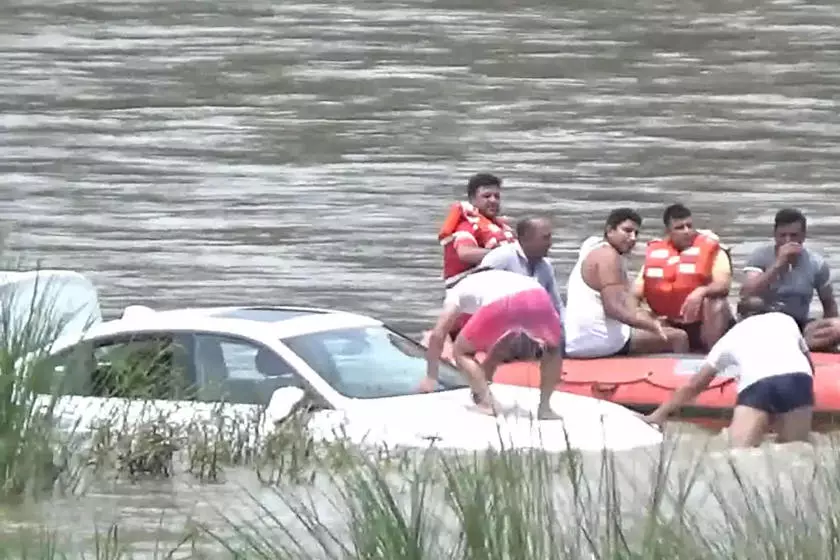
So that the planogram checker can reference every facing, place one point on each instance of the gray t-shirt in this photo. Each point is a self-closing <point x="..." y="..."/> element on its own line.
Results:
<point x="793" y="288"/>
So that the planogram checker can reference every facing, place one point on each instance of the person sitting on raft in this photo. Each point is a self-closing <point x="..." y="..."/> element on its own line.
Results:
<point x="787" y="273"/>
<point x="501" y="305"/>
<point x="686" y="278"/>
<point x="602" y="318"/>
<point x="774" y="372"/>
<point x="471" y="230"/>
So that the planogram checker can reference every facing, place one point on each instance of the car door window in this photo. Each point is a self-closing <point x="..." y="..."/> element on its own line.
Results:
<point x="66" y="372"/>
<point x="149" y="366"/>
<point x="238" y="370"/>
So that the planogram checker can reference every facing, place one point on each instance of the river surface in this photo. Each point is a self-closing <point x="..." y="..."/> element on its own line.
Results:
<point x="208" y="152"/>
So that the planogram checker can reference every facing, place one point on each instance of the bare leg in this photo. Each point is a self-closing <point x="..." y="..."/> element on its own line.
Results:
<point x="497" y="355"/>
<point x="645" y="342"/>
<point x="464" y="354"/>
<point x="822" y="334"/>
<point x="551" y="365"/>
<point x="748" y="427"/>
<point x="795" y="425"/>
<point x="717" y="316"/>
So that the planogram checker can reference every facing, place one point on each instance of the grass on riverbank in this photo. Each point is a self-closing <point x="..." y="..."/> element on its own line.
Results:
<point x="524" y="505"/>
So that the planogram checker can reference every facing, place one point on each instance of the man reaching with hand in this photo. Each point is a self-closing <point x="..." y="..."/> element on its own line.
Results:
<point x="785" y="273"/>
<point x="602" y="317"/>
<point x="774" y="372"/>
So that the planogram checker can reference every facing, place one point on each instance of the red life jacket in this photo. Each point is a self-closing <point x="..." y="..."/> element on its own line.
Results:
<point x="670" y="275"/>
<point x="488" y="234"/>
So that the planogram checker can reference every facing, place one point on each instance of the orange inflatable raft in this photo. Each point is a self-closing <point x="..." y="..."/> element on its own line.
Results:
<point x="642" y="383"/>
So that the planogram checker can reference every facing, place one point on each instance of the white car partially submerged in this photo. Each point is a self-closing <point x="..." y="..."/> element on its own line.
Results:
<point x="357" y="375"/>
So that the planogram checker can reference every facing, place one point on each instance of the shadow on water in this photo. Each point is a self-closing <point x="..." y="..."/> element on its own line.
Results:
<point x="212" y="152"/>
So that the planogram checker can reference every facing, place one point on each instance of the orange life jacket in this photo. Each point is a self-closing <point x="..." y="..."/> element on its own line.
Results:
<point x="671" y="275"/>
<point x="488" y="234"/>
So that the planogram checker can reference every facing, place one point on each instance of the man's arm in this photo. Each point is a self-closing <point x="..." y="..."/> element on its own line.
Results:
<point x="466" y="245"/>
<point x="685" y="394"/>
<point x="758" y="274"/>
<point x="618" y="303"/>
<point x="551" y="288"/>
<point x="721" y="276"/>
<point x="638" y="292"/>
<point x="437" y="339"/>
<point x="825" y="291"/>
<point x="498" y="258"/>
<point x="803" y="346"/>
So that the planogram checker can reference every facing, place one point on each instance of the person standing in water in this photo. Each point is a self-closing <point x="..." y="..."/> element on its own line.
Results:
<point x="502" y="304"/>
<point x="774" y="370"/>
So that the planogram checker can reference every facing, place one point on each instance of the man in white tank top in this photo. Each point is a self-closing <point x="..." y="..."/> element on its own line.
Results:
<point x="502" y="305"/>
<point x="774" y="370"/>
<point x="602" y="318"/>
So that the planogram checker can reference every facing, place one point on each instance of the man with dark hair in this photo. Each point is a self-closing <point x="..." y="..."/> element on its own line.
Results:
<point x="473" y="228"/>
<point x="601" y="317"/>
<point x="773" y="367"/>
<point x="786" y="273"/>
<point x="686" y="279"/>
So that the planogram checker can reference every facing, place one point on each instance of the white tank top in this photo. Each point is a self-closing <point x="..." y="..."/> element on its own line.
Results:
<point x="589" y="332"/>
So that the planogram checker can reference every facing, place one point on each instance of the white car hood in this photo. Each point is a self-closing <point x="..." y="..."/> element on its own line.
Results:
<point x="446" y="420"/>
<point x="449" y="420"/>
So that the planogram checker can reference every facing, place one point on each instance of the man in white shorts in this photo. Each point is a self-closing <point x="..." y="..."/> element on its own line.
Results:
<point x="774" y="372"/>
<point x="502" y="305"/>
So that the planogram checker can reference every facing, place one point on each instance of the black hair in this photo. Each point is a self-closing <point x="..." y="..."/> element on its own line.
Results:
<point x="787" y="216"/>
<point x="675" y="212"/>
<point x="482" y="180"/>
<point x="620" y="215"/>
<point x="755" y="305"/>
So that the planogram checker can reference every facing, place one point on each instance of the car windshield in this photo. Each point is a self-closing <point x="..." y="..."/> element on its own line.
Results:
<point x="369" y="362"/>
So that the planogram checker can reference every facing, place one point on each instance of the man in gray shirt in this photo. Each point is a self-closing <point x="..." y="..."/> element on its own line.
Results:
<point x="787" y="274"/>
<point x="527" y="256"/>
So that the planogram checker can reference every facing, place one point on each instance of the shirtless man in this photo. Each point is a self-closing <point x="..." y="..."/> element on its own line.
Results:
<point x="501" y="304"/>
<point x="602" y="318"/>
<point x="775" y="377"/>
<point x="787" y="273"/>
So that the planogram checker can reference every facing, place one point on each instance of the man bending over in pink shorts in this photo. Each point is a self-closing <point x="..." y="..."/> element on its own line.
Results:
<point x="503" y="304"/>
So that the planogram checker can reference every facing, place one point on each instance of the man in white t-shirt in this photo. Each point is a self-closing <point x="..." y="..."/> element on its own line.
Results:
<point x="502" y="305"/>
<point x="774" y="371"/>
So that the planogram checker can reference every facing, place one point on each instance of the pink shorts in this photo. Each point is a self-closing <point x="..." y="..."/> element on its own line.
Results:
<point x="530" y="312"/>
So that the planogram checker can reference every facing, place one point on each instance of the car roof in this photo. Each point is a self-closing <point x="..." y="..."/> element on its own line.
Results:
<point x="250" y="321"/>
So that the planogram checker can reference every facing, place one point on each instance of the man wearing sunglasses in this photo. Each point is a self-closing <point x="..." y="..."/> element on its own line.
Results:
<point x="686" y="279"/>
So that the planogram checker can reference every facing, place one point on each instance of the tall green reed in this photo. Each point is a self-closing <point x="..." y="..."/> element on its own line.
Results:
<point x="30" y="322"/>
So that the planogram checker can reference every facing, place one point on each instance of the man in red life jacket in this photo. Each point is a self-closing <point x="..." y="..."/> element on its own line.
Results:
<point x="471" y="230"/>
<point x="686" y="279"/>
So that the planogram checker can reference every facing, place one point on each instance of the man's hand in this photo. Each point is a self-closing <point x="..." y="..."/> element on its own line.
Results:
<point x="788" y="253"/>
<point x="653" y="419"/>
<point x="692" y="307"/>
<point x="655" y="325"/>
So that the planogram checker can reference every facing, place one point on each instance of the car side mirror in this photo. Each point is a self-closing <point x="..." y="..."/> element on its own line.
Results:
<point x="283" y="402"/>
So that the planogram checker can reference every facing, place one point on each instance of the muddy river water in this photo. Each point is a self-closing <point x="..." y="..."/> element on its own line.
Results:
<point x="215" y="151"/>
